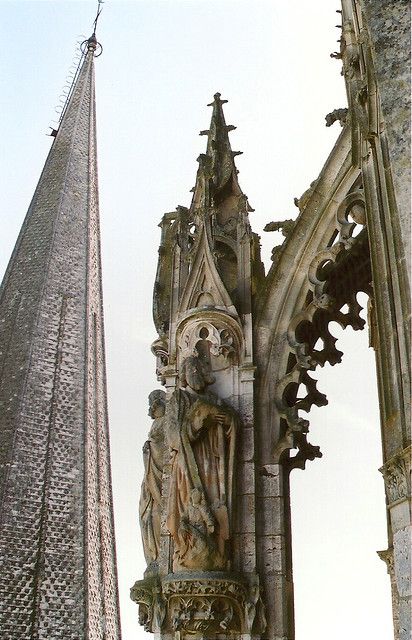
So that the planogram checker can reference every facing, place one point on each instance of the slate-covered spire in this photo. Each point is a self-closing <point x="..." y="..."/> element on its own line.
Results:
<point x="217" y="174"/>
<point x="58" y="577"/>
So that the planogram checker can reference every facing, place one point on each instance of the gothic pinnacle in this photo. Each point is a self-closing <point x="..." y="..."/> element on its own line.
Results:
<point x="217" y="168"/>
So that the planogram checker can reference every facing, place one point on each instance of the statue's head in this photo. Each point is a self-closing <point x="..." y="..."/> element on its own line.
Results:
<point x="195" y="373"/>
<point x="157" y="403"/>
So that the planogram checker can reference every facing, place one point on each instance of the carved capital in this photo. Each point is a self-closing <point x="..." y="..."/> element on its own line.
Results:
<point x="148" y="595"/>
<point x="396" y="473"/>
<point x="211" y="604"/>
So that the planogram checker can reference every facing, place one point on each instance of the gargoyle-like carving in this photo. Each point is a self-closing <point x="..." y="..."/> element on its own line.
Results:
<point x="150" y="496"/>
<point x="201" y="433"/>
<point x="337" y="115"/>
<point x="160" y="351"/>
<point x="152" y="606"/>
<point x="301" y="202"/>
<point x="285" y="227"/>
<point x="387" y="557"/>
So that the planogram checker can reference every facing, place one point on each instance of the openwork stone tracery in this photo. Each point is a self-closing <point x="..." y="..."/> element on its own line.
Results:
<point x="336" y="274"/>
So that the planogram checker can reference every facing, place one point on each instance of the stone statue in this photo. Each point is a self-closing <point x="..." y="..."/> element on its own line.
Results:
<point x="151" y="491"/>
<point x="201" y="432"/>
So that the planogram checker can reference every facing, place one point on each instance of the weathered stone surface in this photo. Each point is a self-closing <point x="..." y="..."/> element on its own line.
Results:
<point x="351" y="235"/>
<point x="389" y="27"/>
<point x="402" y="561"/>
<point x="400" y="515"/>
<point x="58" y="576"/>
<point x="272" y="551"/>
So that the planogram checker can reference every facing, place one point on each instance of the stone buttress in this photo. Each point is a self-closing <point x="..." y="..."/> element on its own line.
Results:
<point x="201" y="579"/>
<point x="58" y="576"/>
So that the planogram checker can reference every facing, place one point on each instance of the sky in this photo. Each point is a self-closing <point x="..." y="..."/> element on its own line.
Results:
<point x="162" y="62"/>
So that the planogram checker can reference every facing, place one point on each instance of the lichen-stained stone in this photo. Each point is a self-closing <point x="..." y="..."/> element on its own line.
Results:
<point x="402" y="561"/>
<point x="272" y="550"/>
<point x="58" y="575"/>
<point x="389" y="26"/>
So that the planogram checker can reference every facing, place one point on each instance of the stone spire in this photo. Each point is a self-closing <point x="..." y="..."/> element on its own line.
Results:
<point x="58" y="577"/>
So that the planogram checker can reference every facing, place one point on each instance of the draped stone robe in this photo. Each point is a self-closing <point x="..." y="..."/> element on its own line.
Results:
<point x="201" y="433"/>
<point x="150" y="495"/>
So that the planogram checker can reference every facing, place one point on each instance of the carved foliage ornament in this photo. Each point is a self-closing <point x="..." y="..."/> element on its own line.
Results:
<point x="396" y="473"/>
<point x="152" y="606"/>
<point x="201" y="604"/>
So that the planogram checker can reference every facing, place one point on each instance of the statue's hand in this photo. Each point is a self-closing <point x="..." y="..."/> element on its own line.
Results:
<point x="146" y="447"/>
<point x="221" y="419"/>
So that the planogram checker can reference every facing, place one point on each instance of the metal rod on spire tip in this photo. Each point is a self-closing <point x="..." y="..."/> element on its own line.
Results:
<point x="99" y="10"/>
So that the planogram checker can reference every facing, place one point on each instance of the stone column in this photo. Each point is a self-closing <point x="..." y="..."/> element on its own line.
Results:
<point x="396" y="472"/>
<point x="274" y="550"/>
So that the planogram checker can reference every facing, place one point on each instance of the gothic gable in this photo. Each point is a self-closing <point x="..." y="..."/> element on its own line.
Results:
<point x="204" y="286"/>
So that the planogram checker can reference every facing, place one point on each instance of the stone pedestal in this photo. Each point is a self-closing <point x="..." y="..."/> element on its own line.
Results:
<point x="201" y="605"/>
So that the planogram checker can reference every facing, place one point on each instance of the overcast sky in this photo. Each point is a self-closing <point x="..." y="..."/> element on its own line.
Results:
<point x="162" y="62"/>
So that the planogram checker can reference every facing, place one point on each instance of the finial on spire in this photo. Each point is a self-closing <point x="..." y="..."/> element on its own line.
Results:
<point x="99" y="10"/>
<point x="217" y="173"/>
<point x="91" y="43"/>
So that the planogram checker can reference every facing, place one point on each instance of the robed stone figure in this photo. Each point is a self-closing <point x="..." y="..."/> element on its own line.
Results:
<point x="151" y="491"/>
<point x="201" y="434"/>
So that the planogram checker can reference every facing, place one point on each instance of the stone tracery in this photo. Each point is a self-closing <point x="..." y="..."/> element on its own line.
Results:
<point x="336" y="274"/>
